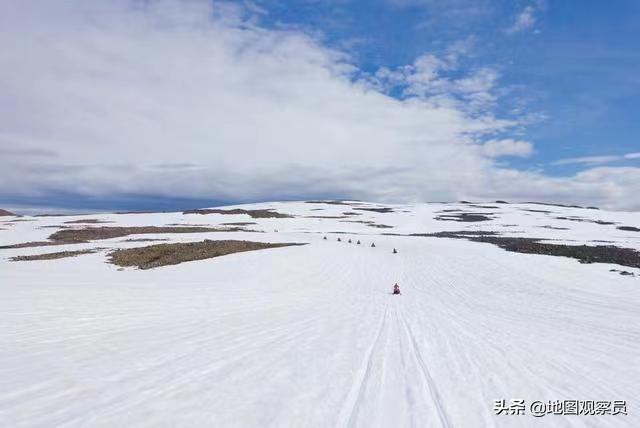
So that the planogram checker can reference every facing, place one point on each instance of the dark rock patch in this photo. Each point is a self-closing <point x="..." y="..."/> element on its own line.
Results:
<point x="32" y="244"/>
<point x="377" y="210"/>
<point x="51" y="256"/>
<point x="628" y="228"/>
<point x="369" y="223"/>
<point x="87" y="221"/>
<point x="553" y="205"/>
<point x="106" y="232"/>
<point x="5" y="213"/>
<point x="465" y="217"/>
<point x="172" y="254"/>
<point x="145" y="239"/>
<point x="553" y="227"/>
<point x="623" y="272"/>
<point x="329" y="202"/>
<point x="535" y="211"/>
<point x="457" y="234"/>
<point x="483" y="206"/>
<point x="586" y="220"/>
<point x="450" y="211"/>
<point x="583" y="253"/>
<point x="268" y="213"/>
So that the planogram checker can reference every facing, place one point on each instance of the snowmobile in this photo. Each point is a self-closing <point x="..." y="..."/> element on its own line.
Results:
<point x="373" y="245"/>
<point x="396" y="289"/>
<point x="395" y="251"/>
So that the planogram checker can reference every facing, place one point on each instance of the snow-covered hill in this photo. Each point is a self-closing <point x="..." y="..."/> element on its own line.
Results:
<point x="309" y="335"/>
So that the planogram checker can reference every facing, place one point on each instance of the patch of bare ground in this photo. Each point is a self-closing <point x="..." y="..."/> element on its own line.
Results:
<point x="32" y="244"/>
<point x="329" y="202"/>
<point x="350" y="213"/>
<point x="629" y="228"/>
<point x="238" y="223"/>
<point x="369" y="223"/>
<point x="376" y="210"/>
<point x="583" y="253"/>
<point x="557" y="205"/>
<point x="553" y="227"/>
<point x="145" y="239"/>
<point x="51" y="256"/>
<point x="6" y="213"/>
<point x="622" y="272"/>
<point x="326" y="216"/>
<point x="465" y="217"/>
<point x="87" y="221"/>
<point x="483" y="206"/>
<point x="450" y="211"/>
<point x="78" y="236"/>
<point x="106" y="232"/>
<point x="536" y="211"/>
<point x="172" y="254"/>
<point x="586" y="220"/>
<point x="268" y="213"/>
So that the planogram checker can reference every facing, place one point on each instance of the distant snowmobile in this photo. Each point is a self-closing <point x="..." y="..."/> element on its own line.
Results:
<point x="325" y="238"/>
<point x="396" y="289"/>
<point x="395" y="251"/>
<point x="349" y="241"/>
<point x="339" y="240"/>
<point x="358" y="242"/>
<point x="373" y="244"/>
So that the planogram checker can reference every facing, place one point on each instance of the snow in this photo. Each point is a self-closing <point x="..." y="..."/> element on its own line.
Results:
<point x="310" y="335"/>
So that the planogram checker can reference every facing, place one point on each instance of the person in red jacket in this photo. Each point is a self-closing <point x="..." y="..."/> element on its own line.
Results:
<point x="396" y="289"/>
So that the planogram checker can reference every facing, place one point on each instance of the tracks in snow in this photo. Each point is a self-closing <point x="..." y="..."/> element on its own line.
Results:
<point x="349" y="411"/>
<point x="384" y="389"/>
<point x="426" y="375"/>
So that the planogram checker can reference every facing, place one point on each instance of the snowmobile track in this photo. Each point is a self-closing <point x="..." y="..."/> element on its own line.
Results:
<point x="437" y="401"/>
<point x="354" y="397"/>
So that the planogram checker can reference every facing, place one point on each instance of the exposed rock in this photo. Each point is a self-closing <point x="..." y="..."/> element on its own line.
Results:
<point x="172" y="254"/>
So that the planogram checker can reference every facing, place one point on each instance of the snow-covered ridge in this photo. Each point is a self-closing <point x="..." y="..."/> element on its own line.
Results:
<point x="310" y="335"/>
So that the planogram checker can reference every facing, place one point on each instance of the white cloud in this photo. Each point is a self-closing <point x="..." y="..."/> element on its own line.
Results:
<point x="188" y="99"/>
<point x="524" y="21"/>
<point x="596" y="160"/>
<point x="507" y="147"/>
<point x="605" y="187"/>
<point x="430" y="78"/>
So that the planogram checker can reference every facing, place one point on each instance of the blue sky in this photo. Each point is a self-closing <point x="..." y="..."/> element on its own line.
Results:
<point x="130" y="104"/>
<point x="576" y="66"/>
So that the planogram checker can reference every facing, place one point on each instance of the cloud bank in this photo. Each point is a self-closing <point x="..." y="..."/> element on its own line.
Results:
<point x="192" y="99"/>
